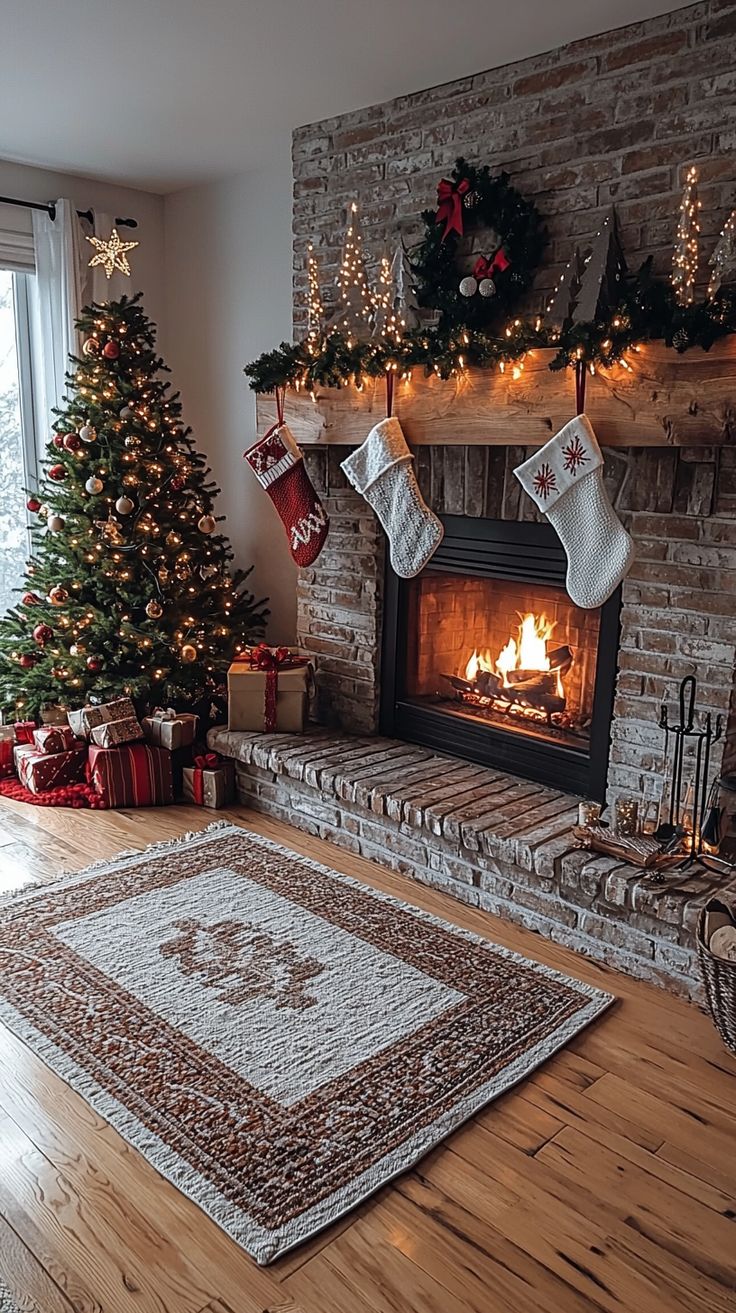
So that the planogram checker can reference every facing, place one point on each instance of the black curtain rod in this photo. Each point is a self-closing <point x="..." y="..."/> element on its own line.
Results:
<point x="51" y="211"/>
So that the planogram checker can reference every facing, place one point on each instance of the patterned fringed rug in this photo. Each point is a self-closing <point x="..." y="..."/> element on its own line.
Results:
<point x="274" y="1037"/>
<point x="7" y="1303"/>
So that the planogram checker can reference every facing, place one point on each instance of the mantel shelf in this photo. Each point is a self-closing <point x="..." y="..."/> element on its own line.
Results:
<point x="664" y="400"/>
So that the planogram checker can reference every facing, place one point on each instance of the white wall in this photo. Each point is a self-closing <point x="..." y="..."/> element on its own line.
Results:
<point x="228" y="265"/>
<point x="30" y="184"/>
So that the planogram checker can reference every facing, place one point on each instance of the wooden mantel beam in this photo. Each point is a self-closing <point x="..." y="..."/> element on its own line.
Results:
<point x="663" y="400"/>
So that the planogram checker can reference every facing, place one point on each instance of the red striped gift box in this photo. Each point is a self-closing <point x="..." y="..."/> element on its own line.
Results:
<point x="131" y="775"/>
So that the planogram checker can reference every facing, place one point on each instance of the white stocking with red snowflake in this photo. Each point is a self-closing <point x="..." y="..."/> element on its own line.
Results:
<point x="565" y="480"/>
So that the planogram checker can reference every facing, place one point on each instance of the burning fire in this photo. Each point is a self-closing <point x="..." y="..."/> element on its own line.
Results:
<point x="528" y="651"/>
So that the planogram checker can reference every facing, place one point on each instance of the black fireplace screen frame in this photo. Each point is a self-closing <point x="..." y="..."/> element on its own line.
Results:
<point x="527" y="552"/>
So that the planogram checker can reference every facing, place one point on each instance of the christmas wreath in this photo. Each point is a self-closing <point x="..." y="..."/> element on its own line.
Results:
<point x="480" y="249"/>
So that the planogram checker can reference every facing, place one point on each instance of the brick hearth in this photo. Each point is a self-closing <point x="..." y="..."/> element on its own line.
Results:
<point x="491" y="840"/>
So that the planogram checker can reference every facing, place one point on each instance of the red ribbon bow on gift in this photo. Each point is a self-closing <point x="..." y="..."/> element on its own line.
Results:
<point x="450" y="206"/>
<point x="272" y="660"/>
<point x="207" y="761"/>
<point x="484" y="268"/>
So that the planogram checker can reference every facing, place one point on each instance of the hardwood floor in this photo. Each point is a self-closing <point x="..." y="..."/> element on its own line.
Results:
<point x="606" y="1181"/>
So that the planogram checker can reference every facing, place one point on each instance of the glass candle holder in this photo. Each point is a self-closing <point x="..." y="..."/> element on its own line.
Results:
<point x="626" y="817"/>
<point x="589" y="813"/>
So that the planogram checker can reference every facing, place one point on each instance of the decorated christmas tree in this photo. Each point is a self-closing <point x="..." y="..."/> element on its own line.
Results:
<point x="129" y="587"/>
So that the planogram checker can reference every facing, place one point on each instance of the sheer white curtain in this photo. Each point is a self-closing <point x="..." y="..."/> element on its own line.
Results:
<point x="63" y="286"/>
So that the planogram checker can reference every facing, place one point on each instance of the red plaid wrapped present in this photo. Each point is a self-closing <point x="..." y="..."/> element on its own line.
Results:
<point x="24" y="731"/>
<point x="54" y="738"/>
<point x="133" y="775"/>
<point x="40" y="771"/>
<point x="7" y="741"/>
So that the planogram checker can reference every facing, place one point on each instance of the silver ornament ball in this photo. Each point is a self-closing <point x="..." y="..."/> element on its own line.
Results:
<point x="124" y="505"/>
<point x="468" y="286"/>
<point x="87" y="433"/>
<point x="94" y="485"/>
<point x="487" y="287"/>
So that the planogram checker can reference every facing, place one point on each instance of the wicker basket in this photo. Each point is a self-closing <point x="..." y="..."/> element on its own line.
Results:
<point x="719" y="976"/>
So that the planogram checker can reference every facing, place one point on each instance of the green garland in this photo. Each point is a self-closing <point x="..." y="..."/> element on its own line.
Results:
<point x="647" y="312"/>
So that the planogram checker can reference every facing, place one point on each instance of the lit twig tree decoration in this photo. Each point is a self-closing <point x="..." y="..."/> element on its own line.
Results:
<point x="315" y="309"/>
<point x="685" y="254"/>
<point x="383" y="295"/>
<point x="354" y="314"/>
<point x="406" y="306"/>
<point x="723" y="259"/>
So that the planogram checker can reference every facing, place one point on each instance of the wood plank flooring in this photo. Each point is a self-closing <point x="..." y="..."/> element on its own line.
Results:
<point x="606" y="1181"/>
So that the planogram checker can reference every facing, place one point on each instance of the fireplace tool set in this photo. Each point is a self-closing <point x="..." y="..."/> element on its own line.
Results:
<point x="685" y="824"/>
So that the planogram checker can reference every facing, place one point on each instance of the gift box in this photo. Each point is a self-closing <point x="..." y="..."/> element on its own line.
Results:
<point x="40" y="771"/>
<point x="7" y="743"/>
<point x="170" y="729"/>
<point x="269" y="690"/>
<point x="23" y="730"/>
<point x="210" y="782"/>
<point x="133" y="775"/>
<point x="54" y="738"/>
<point x="54" y="714"/>
<point x="114" y="732"/>
<point x="87" y="718"/>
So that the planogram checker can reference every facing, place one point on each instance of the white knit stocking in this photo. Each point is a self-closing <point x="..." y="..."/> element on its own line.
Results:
<point x="382" y="471"/>
<point x="565" y="479"/>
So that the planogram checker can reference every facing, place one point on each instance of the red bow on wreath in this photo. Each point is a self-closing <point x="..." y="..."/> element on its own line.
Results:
<point x="450" y="206"/>
<point x="484" y="268"/>
<point x="272" y="660"/>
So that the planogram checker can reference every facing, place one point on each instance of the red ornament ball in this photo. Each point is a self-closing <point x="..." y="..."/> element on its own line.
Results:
<point x="72" y="441"/>
<point x="94" y="664"/>
<point x="57" y="473"/>
<point x="43" y="634"/>
<point x="177" y="483"/>
<point x="31" y="599"/>
<point x="33" y="505"/>
<point x="111" y="350"/>
<point x="57" y="439"/>
<point x="27" y="660"/>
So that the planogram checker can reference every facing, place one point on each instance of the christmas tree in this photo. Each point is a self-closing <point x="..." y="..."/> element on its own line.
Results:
<point x="129" y="587"/>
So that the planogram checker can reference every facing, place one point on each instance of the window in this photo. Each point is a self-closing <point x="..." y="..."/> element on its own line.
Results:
<point x="18" y="468"/>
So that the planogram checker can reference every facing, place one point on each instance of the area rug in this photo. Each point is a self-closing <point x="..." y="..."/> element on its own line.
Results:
<point x="276" y="1038"/>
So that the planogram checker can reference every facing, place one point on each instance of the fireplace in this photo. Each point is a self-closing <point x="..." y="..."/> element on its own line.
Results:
<point x="486" y="657"/>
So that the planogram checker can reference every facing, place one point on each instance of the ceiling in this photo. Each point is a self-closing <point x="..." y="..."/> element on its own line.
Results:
<point x="162" y="94"/>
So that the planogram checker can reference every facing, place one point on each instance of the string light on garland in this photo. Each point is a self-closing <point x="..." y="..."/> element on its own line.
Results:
<point x="685" y="254"/>
<point x="111" y="254"/>
<point x="723" y="259"/>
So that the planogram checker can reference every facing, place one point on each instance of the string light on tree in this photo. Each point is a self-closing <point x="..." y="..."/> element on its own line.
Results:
<point x="723" y="259"/>
<point x="685" y="254"/>
<point x="355" y="303"/>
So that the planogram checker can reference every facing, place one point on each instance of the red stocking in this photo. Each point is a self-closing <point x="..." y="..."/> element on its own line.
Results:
<point x="278" y="465"/>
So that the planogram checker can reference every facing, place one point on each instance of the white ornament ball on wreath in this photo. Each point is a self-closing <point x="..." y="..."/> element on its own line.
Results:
<point x="55" y="523"/>
<point x="207" y="524"/>
<point x="94" y="485"/>
<point x="124" y="505"/>
<point x="87" y="433"/>
<point x="468" y="286"/>
<point x="487" y="287"/>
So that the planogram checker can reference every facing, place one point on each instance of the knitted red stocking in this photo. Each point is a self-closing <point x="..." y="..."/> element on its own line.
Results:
<point x="278" y="465"/>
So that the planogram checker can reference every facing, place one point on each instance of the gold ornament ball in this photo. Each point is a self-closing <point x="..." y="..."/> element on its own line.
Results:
<point x="123" y="505"/>
<point x="58" y="595"/>
<point x="154" y="609"/>
<point x="188" y="653"/>
<point x="206" y="524"/>
<point x="90" y="347"/>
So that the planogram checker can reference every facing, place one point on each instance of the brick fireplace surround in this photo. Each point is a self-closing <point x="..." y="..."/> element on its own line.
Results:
<point x="614" y="118"/>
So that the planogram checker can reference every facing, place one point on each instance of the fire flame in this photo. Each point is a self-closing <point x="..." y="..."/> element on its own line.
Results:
<point x="528" y="651"/>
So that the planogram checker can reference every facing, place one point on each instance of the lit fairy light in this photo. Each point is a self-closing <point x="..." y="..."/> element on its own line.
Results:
<point x="685" y="254"/>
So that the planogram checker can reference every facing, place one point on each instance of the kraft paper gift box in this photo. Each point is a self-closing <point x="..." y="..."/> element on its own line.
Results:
<point x="114" y="732"/>
<point x="85" y="719"/>
<point x="246" y="697"/>
<point x="170" y="729"/>
<point x="209" y="785"/>
<point x="40" y="771"/>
